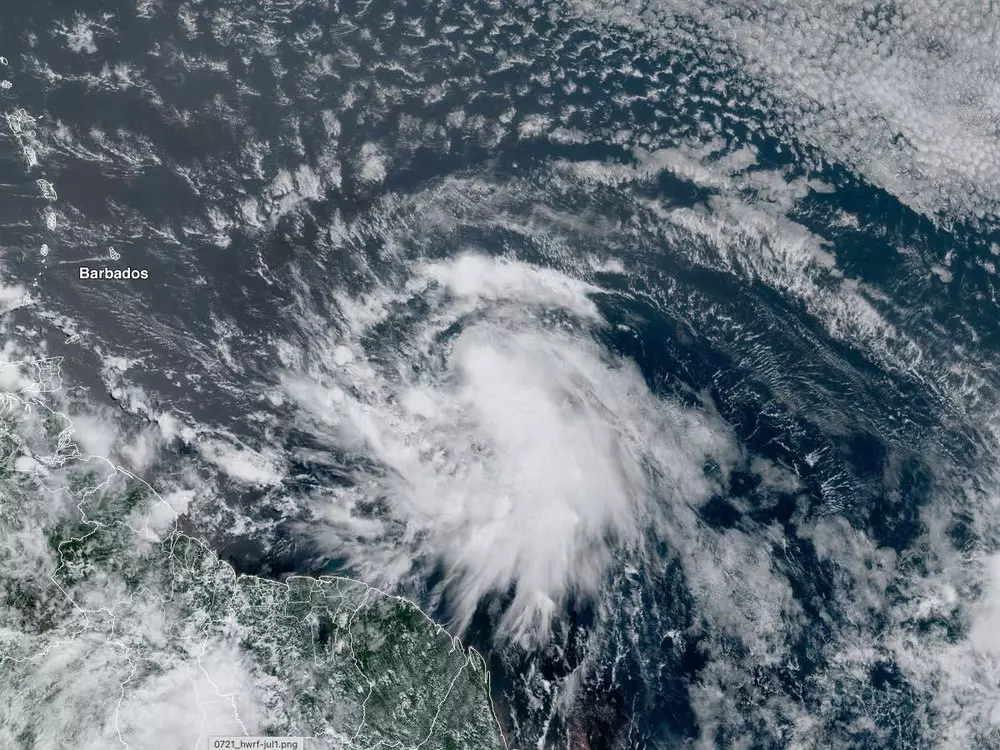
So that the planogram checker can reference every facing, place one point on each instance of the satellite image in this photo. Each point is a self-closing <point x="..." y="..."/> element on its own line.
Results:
<point x="499" y="375"/>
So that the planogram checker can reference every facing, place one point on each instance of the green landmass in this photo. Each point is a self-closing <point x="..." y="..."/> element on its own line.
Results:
<point x="100" y="607"/>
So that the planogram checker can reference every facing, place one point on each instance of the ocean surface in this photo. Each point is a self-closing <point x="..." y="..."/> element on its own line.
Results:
<point x="649" y="348"/>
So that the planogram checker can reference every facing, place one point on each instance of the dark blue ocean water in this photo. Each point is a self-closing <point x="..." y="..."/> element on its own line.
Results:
<point x="142" y="136"/>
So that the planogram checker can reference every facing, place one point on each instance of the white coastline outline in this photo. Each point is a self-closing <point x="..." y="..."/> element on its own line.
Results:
<point x="64" y="440"/>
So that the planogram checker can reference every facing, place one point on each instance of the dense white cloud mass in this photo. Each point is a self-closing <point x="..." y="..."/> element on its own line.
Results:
<point x="476" y="440"/>
<point x="194" y="695"/>
<point x="511" y="447"/>
<point x="907" y="93"/>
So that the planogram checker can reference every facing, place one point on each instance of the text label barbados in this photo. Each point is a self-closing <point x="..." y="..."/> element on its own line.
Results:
<point x="126" y="274"/>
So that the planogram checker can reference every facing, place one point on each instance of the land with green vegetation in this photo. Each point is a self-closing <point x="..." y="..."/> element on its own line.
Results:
<point x="111" y="621"/>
